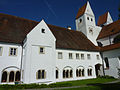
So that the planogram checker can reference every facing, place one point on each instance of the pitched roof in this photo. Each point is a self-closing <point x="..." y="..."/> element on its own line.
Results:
<point x="102" y="19"/>
<point x="109" y="30"/>
<point x="81" y="11"/>
<point x="71" y="39"/>
<point x="110" y="47"/>
<point x="14" y="30"/>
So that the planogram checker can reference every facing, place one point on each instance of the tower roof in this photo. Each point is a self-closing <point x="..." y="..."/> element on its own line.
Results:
<point x="81" y="11"/>
<point x="102" y="19"/>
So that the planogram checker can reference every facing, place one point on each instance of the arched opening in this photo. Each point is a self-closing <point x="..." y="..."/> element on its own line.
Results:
<point x="97" y="69"/>
<point x="11" y="76"/>
<point x="39" y="74"/>
<point x="82" y="72"/>
<point x="4" y="77"/>
<point x="64" y="74"/>
<point x="17" y="77"/>
<point x="43" y="74"/>
<point x="90" y="72"/>
<point x="67" y="73"/>
<point x="77" y="73"/>
<point x="56" y="74"/>
<point x="71" y="73"/>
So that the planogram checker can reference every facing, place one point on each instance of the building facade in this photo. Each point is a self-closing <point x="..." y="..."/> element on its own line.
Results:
<point x="36" y="52"/>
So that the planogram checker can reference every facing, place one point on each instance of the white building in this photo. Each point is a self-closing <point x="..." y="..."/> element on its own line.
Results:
<point x="36" y="52"/>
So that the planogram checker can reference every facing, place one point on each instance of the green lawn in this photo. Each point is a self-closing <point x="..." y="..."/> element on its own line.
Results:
<point x="59" y="84"/>
<point x="115" y="86"/>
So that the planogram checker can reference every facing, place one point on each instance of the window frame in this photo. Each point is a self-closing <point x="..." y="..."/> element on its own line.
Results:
<point x="77" y="56"/>
<point x="42" y="30"/>
<point x="61" y="55"/>
<point x="88" y="56"/>
<point x="40" y="50"/>
<point x="13" y="51"/>
<point x="1" y="50"/>
<point x="82" y="58"/>
<point x="70" y="55"/>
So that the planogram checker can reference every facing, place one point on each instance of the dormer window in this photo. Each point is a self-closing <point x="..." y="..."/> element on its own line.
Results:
<point x="43" y="30"/>
<point x="80" y="20"/>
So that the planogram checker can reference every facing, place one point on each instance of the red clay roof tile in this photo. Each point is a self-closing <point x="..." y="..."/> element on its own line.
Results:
<point x="81" y="11"/>
<point x="102" y="19"/>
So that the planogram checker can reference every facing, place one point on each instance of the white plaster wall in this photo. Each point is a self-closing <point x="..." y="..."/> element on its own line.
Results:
<point x="75" y="63"/>
<point x="34" y="61"/>
<point x="114" y="62"/>
<point x="8" y="62"/>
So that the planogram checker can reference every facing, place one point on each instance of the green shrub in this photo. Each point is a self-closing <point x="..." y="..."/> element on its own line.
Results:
<point x="107" y="77"/>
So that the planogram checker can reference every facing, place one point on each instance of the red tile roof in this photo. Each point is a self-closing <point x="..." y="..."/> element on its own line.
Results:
<point x="14" y="30"/>
<point x="102" y="19"/>
<point x="110" y="47"/>
<point x="109" y="30"/>
<point x="81" y="11"/>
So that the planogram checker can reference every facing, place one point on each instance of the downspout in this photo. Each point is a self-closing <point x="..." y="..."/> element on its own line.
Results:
<point x="21" y="65"/>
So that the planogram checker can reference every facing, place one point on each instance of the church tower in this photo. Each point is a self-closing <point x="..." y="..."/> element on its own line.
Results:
<point x="85" y="23"/>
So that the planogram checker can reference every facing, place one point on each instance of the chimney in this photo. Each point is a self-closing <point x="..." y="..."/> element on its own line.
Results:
<point x="69" y="27"/>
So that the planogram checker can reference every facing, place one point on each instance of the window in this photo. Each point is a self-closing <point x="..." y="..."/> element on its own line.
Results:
<point x="4" y="76"/>
<point x="60" y="55"/>
<point x="13" y="52"/>
<point x="89" y="72"/>
<point x="41" y="74"/>
<point x="98" y="58"/>
<point x="70" y="56"/>
<point x="43" y="30"/>
<point x="80" y="72"/>
<point x="80" y="20"/>
<point x="17" y="76"/>
<point x="67" y="73"/>
<point x="88" y="56"/>
<point x="11" y="76"/>
<point x="106" y="62"/>
<point x="87" y="18"/>
<point x="42" y="50"/>
<point x="77" y="56"/>
<point x="82" y="56"/>
<point x="1" y="51"/>
<point x="57" y="74"/>
<point x="91" y="19"/>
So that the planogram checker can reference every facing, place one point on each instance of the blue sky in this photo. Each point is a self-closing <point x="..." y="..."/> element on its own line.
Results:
<point x="57" y="12"/>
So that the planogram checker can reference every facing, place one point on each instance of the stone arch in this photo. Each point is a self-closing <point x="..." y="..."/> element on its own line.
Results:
<point x="67" y="72"/>
<point x="80" y="71"/>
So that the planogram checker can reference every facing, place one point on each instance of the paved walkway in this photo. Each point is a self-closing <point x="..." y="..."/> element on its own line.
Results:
<point x="57" y="88"/>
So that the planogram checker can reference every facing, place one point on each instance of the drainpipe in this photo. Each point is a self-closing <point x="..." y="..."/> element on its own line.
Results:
<point x="21" y="64"/>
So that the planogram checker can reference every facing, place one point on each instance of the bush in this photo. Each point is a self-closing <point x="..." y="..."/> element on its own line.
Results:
<point x="107" y="77"/>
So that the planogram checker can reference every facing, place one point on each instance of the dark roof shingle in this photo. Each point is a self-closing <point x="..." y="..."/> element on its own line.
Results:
<point x="14" y="30"/>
